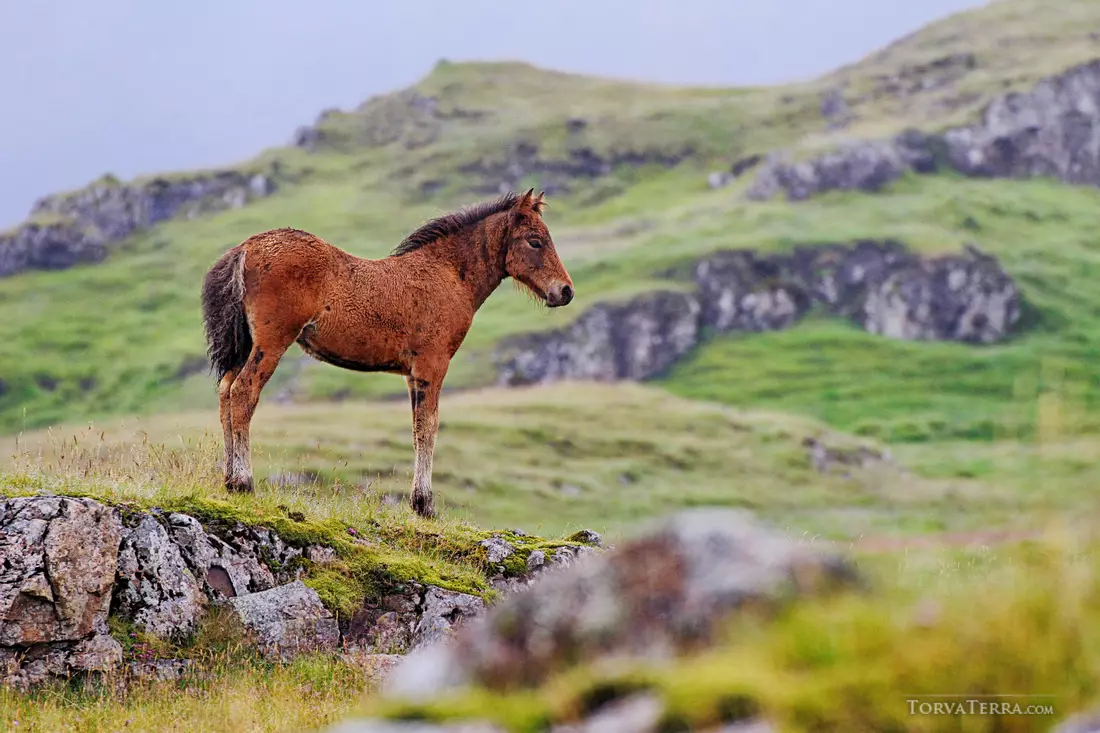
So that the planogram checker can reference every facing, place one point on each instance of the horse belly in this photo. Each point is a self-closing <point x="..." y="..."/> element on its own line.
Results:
<point x="357" y="350"/>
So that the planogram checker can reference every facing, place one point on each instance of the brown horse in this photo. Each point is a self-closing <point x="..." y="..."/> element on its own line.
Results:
<point x="405" y="314"/>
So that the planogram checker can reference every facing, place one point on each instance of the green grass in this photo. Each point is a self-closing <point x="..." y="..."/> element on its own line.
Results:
<point x="378" y="548"/>
<point x="554" y="460"/>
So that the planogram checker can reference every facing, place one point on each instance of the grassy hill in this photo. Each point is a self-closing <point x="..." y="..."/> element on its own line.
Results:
<point x="123" y="337"/>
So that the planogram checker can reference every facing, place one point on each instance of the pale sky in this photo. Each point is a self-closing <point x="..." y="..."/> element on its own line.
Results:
<point x="133" y="87"/>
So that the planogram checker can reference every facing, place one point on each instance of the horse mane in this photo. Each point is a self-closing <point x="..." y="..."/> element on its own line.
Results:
<point x="453" y="223"/>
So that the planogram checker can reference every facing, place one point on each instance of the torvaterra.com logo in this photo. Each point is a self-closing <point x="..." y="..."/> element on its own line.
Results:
<point x="991" y="705"/>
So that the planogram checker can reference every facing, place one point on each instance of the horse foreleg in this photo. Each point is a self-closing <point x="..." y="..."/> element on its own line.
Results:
<point x="244" y="394"/>
<point x="226" y="419"/>
<point x="424" y="395"/>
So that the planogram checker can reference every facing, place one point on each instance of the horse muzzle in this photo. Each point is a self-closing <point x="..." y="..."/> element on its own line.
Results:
<point x="559" y="295"/>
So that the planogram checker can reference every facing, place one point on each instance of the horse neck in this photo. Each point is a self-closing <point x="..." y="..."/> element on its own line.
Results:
<point x="478" y="258"/>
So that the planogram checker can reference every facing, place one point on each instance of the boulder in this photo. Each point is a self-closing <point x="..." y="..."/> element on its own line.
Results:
<point x="1051" y="131"/>
<point x="156" y="590"/>
<point x="862" y="165"/>
<point x="58" y="558"/>
<point x="81" y="226"/>
<point x="287" y="620"/>
<point x="743" y="292"/>
<point x="443" y="612"/>
<point x="965" y="298"/>
<point x="635" y="340"/>
<point x="667" y="590"/>
<point x="878" y="284"/>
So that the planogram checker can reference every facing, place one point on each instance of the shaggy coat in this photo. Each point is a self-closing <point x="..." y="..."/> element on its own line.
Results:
<point x="405" y="314"/>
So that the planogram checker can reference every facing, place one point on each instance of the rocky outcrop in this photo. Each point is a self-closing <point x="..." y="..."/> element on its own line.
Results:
<point x="881" y="286"/>
<point x="78" y="227"/>
<point x="867" y="166"/>
<point x="1051" y="131"/>
<point x="630" y="341"/>
<point x="287" y="621"/>
<point x="58" y="559"/>
<point x="66" y="564"/>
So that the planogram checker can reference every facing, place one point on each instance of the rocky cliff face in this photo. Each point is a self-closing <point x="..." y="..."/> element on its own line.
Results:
<point x="1052" y="131"/>
<point x="65" y="564"/>
<point x="881" y="286"/>
<point x="81" y="226"/>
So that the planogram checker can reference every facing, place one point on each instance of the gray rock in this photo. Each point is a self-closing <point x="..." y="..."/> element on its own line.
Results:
<point x="668" y="589"/>
<point x="81" y="226"/>
<point x="443" y="613"/>
<point x="235" y="566"/>
<point x="1051" y="131"/>
<point x="879" y="285"/>
<point x="25" y="667"/>
<point x="636" y="714"/>
<point x="964" y="298"/>
<point x="57" y="568"/>
<point x="719" y="179"/>
<point x="536" y="559"/>
<point x="867" y="165"/>
<point x="588" y="537"/>
<point x="156" y="590"/>
<point x="287" y="621"/>
<point x="740" y="291"/>
<point x="496" y="550"/>
<point x="637" y="340"/>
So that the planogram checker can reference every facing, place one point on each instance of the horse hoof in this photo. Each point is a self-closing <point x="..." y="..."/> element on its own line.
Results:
<point x="424" y="507"/>
<point x="236" y="486"/>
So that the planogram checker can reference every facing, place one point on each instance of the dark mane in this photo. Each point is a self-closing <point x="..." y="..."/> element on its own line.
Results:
<point x="453" y="223"/>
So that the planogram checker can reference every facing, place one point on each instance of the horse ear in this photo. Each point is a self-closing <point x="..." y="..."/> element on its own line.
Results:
<point x="525" y="200"/>
<point x="538" y="204"/>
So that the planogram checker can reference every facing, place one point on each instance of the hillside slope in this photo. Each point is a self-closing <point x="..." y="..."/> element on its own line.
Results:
<point x="626" y="164"/>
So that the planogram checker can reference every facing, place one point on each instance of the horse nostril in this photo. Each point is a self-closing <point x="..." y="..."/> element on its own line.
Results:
<point x="566" y="294"/>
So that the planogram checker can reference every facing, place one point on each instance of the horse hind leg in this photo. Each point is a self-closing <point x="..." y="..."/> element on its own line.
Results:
<point x="224" y="413"/>
<point x="244" y="395"/>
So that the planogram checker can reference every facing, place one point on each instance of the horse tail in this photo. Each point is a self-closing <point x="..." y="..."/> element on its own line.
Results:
<point x="228" y="337"/>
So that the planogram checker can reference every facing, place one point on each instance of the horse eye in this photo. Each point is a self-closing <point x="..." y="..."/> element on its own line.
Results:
<point x="534" y="243"/>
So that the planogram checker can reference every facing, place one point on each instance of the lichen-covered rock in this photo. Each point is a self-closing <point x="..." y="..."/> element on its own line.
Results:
<point x="155" y="588"/>
<point x="442" y="612"/>
<point x="743" y="292"/>
<point x="24" y="667"/>
<point x="635" y="340"/>
<point x="880" y="285"/>
<point x="867" y="166"/>
<point x="497" y="549"/>
<point x="1053" y="130"/>
<point x="665" y="591"/>
<point x="287" y="620"/>
<point x="239" y="564"/>
<point x="57" y="567"/>
<point x="963" y="298"/>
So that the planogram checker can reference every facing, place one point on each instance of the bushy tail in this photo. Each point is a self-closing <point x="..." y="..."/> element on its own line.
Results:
<point x="228" y="339"/>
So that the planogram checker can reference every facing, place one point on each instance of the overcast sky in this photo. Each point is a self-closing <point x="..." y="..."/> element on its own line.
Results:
<point x="133" y="86"/>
